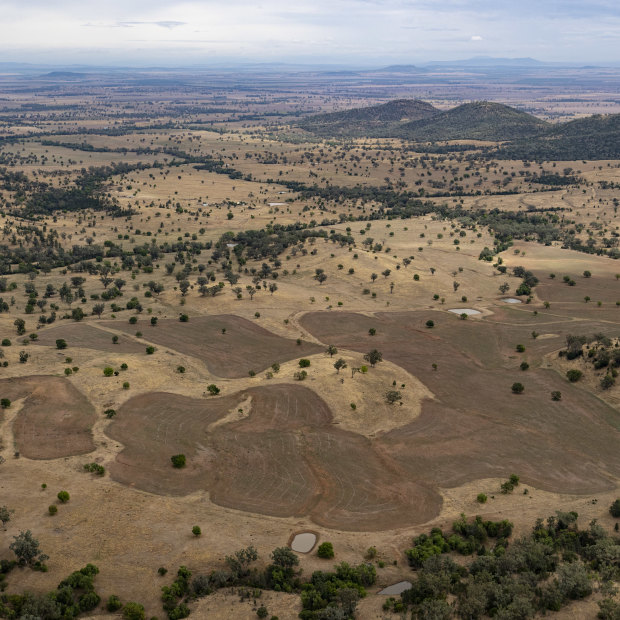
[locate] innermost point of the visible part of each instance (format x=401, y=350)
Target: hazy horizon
x=179, y=33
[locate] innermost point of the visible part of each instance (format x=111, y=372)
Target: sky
x=340, y=32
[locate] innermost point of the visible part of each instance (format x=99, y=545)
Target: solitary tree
x=339, y=365
x=320, y=276
x=106, y=280
x=393, y=396
x=373, y=357
x=331, y=350
x=26, y=547
x=5, y=515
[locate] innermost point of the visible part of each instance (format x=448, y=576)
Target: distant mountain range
x=522, y=135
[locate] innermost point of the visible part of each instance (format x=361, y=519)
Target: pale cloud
x=339, y=31
x=162, y=24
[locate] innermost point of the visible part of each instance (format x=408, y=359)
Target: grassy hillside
x=481, y=120
x=378, y=120
x=594, y=137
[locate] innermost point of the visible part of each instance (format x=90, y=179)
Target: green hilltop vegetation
x=420, y=121
x=376, y=120
x=523, y=136
x=480, y=120
x=593, y=137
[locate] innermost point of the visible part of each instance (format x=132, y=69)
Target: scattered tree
x=26, y=548
x=373, y=357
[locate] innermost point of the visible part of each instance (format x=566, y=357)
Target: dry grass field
x=326, y=274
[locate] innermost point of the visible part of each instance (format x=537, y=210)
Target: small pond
x=304, y=542
x=467, y=311
x=396, y=588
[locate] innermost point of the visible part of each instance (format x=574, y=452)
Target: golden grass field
x=271, y=455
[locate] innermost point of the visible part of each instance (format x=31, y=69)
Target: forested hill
x=593, y=137
x=481, y=120
x=378, y=120
x=522, y=135
x=420, y=121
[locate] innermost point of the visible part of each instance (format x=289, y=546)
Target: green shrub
x=614, y=509
x=574, y=375
x=133, y=611
x=61, y=343
x=52, y=509
x=108, y=371
x=178, y=460
x=304, y=363
x=481, y=498
x=95, y=468
x=196, y=531
x=114, y=603
x=63, y=496
x=325, y=550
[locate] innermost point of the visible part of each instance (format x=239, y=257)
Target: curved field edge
x=285, y=458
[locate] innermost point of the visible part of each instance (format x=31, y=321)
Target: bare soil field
x=55, y=419
x=244, y=346
x=461, y=434
x=87, y=336
x=282, y=458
